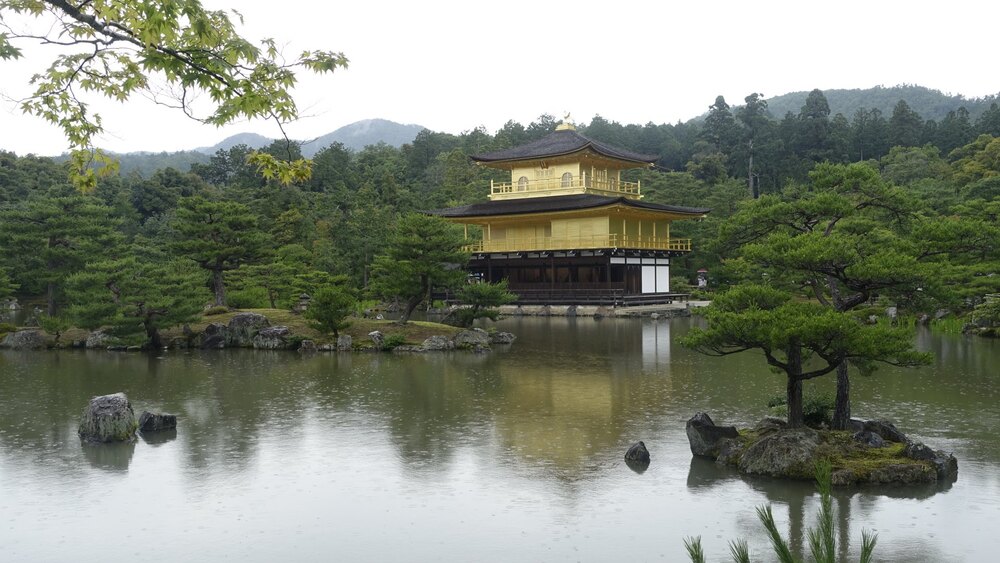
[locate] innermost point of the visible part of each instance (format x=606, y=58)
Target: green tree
x=977, y=160
x=989, y=122
x=801, y=340
x=219, y=236
x=842, y=238
x=7, y=287
x=720, y=126
x=753, y=118
x=136, y=296
x=869, y=134
x=813, y=131
x=906, y=165
x=905, y=126
x=50, y=236
x=954, y=130
x=329, y=308
x=128, y=44
x=482, y=300
x=423, y=252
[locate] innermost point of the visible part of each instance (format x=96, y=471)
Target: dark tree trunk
x=153, y=335
x=218, y=287
x=842, y=410
x=842, y=407
x=793, y=389
x=411, y=305
x=415, y=300
x=50, y=296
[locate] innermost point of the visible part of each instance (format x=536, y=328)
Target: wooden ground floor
x=601, y=277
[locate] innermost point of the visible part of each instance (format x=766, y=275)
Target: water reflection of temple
x=655, y=344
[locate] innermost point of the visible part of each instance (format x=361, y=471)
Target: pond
x=515, y=455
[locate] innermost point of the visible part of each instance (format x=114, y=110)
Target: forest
x=222, y=234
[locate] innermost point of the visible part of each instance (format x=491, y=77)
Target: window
x=522, y=184
x=567, y=179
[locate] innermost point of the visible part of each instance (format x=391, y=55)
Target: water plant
x=822, y=539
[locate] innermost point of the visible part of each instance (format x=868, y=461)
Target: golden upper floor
x=564, y=163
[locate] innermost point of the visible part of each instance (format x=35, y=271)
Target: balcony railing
x=555, y=186
x=530, y=244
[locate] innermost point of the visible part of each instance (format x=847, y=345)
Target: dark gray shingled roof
x=555, y=203
x=558, y=143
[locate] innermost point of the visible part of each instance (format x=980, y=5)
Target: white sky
x=454, y=66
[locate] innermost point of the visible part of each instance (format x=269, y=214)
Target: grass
x=949, y=325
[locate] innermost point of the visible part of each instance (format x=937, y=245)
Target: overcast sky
x=454, y=66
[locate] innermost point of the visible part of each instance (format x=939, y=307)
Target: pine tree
x=424, y=252
x=50, y=236
x=135, y=296
x=219, y=236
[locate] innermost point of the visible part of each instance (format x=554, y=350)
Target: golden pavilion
x=567, y=229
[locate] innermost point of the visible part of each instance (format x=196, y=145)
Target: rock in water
x=870, y=439
x=705, y=437
x=98, y=339
x=945, y=464
x=24, y=340
x=500, y=337
x=637, y=453
x=272, y=338
x=307, y=347
x=214, y=336
x=378, y=338
x=886, y=430
x=345, y=342
x=438, y=342
x=476, y=339
x=791, y=452
x=243, y=328
x=152, y=422
x=108, y=418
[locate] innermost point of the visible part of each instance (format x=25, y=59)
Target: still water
x=514, y=455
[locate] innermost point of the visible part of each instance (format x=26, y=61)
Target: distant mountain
x=251, y=140
x=930, y=104
x=354, y=136
x=146, y=163
x=360, y=134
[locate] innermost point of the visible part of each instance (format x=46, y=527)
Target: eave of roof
x=560, y=143
x=557, y=203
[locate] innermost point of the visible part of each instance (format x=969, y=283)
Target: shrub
x=392, y=341
x=329, y=308
x=249, y=298
x=482, y=300
x=54, y=326
x=817, y=410
x=987, y=313
x=217, y=310
x=7, y=327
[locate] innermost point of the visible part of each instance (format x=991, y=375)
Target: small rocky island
x=873, y=451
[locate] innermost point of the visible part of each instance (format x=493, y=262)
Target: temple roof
x=556, y=203
x=558, y=143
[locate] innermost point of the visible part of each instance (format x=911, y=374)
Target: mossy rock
x=793, y=453
x=108, y=418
